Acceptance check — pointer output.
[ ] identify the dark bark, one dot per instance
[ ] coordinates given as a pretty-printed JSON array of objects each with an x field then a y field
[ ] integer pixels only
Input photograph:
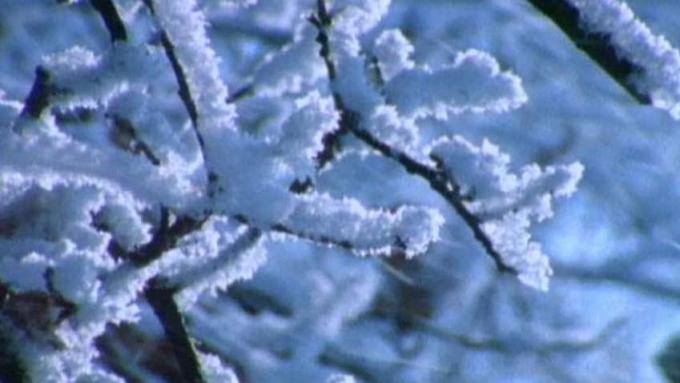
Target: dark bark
[
  {"x": 38, "y": 98},
  {"x": 165, "y": 238},
  {"x": 109, "y": 14},
  {"x": 162, "y": 300}
]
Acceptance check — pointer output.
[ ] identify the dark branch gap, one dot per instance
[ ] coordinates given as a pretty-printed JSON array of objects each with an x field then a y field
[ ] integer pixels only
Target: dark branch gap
[
  {"x": 11, "y": 366},
  {"x": 38, "y": 98},
  {"x": 165, "y": 238}
]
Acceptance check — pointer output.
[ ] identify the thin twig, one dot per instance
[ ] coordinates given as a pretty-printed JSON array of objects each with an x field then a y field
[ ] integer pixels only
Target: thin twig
[
  {"x": 124, "y": 134},
  {"x": 181, "y": 77},
  {"x": 191, "y": 275},
  {"x": 311, "y": 237},
  {"x": 12, "y": 368}
]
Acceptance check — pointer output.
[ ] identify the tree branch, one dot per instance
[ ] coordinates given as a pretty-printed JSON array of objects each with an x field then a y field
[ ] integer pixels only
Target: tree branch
[
  {"x": 165, "y": 238},
  {"x": 317, "y": 239},
  {"x": 162, "y": 300},
  {"x": 38, "y": 98},
  {"x": 438, "y": 180},
  {"x": 440, "y": 183},
  {"x": 182, "y": 82},
  {"x": 109, "y": 14},
  {"x": 190, "y": 276},
  {"x": 331, "y": 141},
  {"x": 124, "y": 135},
  {"x": 597, "y": 46}
]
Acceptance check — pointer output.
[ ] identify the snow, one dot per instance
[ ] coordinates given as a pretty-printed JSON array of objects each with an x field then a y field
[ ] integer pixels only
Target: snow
[
  {"x": 474, "y": 82},
  {"x": 393, "y": 52}
]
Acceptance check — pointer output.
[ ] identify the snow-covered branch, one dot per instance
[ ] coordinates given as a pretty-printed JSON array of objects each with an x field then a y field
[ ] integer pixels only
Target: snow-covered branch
[
  {"x": 643, "y": 63},
  {"x": 473, "y": 83},
  {"x": 184, "y": 185}
]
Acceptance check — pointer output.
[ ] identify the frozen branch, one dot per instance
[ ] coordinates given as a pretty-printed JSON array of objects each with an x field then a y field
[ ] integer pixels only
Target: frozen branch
[
  {"x": 598, "y": 46},
  {"x": 331, "y": 141},
  {"x": 583, "y": 343},
  {"x": 609, "y": 32},
  {"x": 191, "y": 276},
  {"x": 181, "y": 77},
  {"x": 439, "y": 181}
]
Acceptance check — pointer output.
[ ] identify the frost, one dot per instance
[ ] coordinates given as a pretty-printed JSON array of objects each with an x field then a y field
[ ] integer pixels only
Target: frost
[
  {"x": 485, "y": 172},
  {"x": 474, "y": 82},
  {"x": 303, "y": 132},
  {"x": 72, "y": 59},
  {"x": 186, "y": 27},
  {"x": 365, "y": 231},
  {"x": 507, "y": 202},
  {"x": 354, "y": 86},
  {"x": 355, "y": 17},
  {"x": 292, "y": 68},
  {"x": 633, "y": 40},
  {"x": 237, "y": 3},
  {"x": 393, "y": 52},
  {"x": 509, "y": 235},
  {"x": 127, "y": 227},
  {"x": 396, "y": 130},
  {"x": 208, "y": 261},
  {"x": 85, "y": 79},
  {"x": 215, "y": 371}
]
